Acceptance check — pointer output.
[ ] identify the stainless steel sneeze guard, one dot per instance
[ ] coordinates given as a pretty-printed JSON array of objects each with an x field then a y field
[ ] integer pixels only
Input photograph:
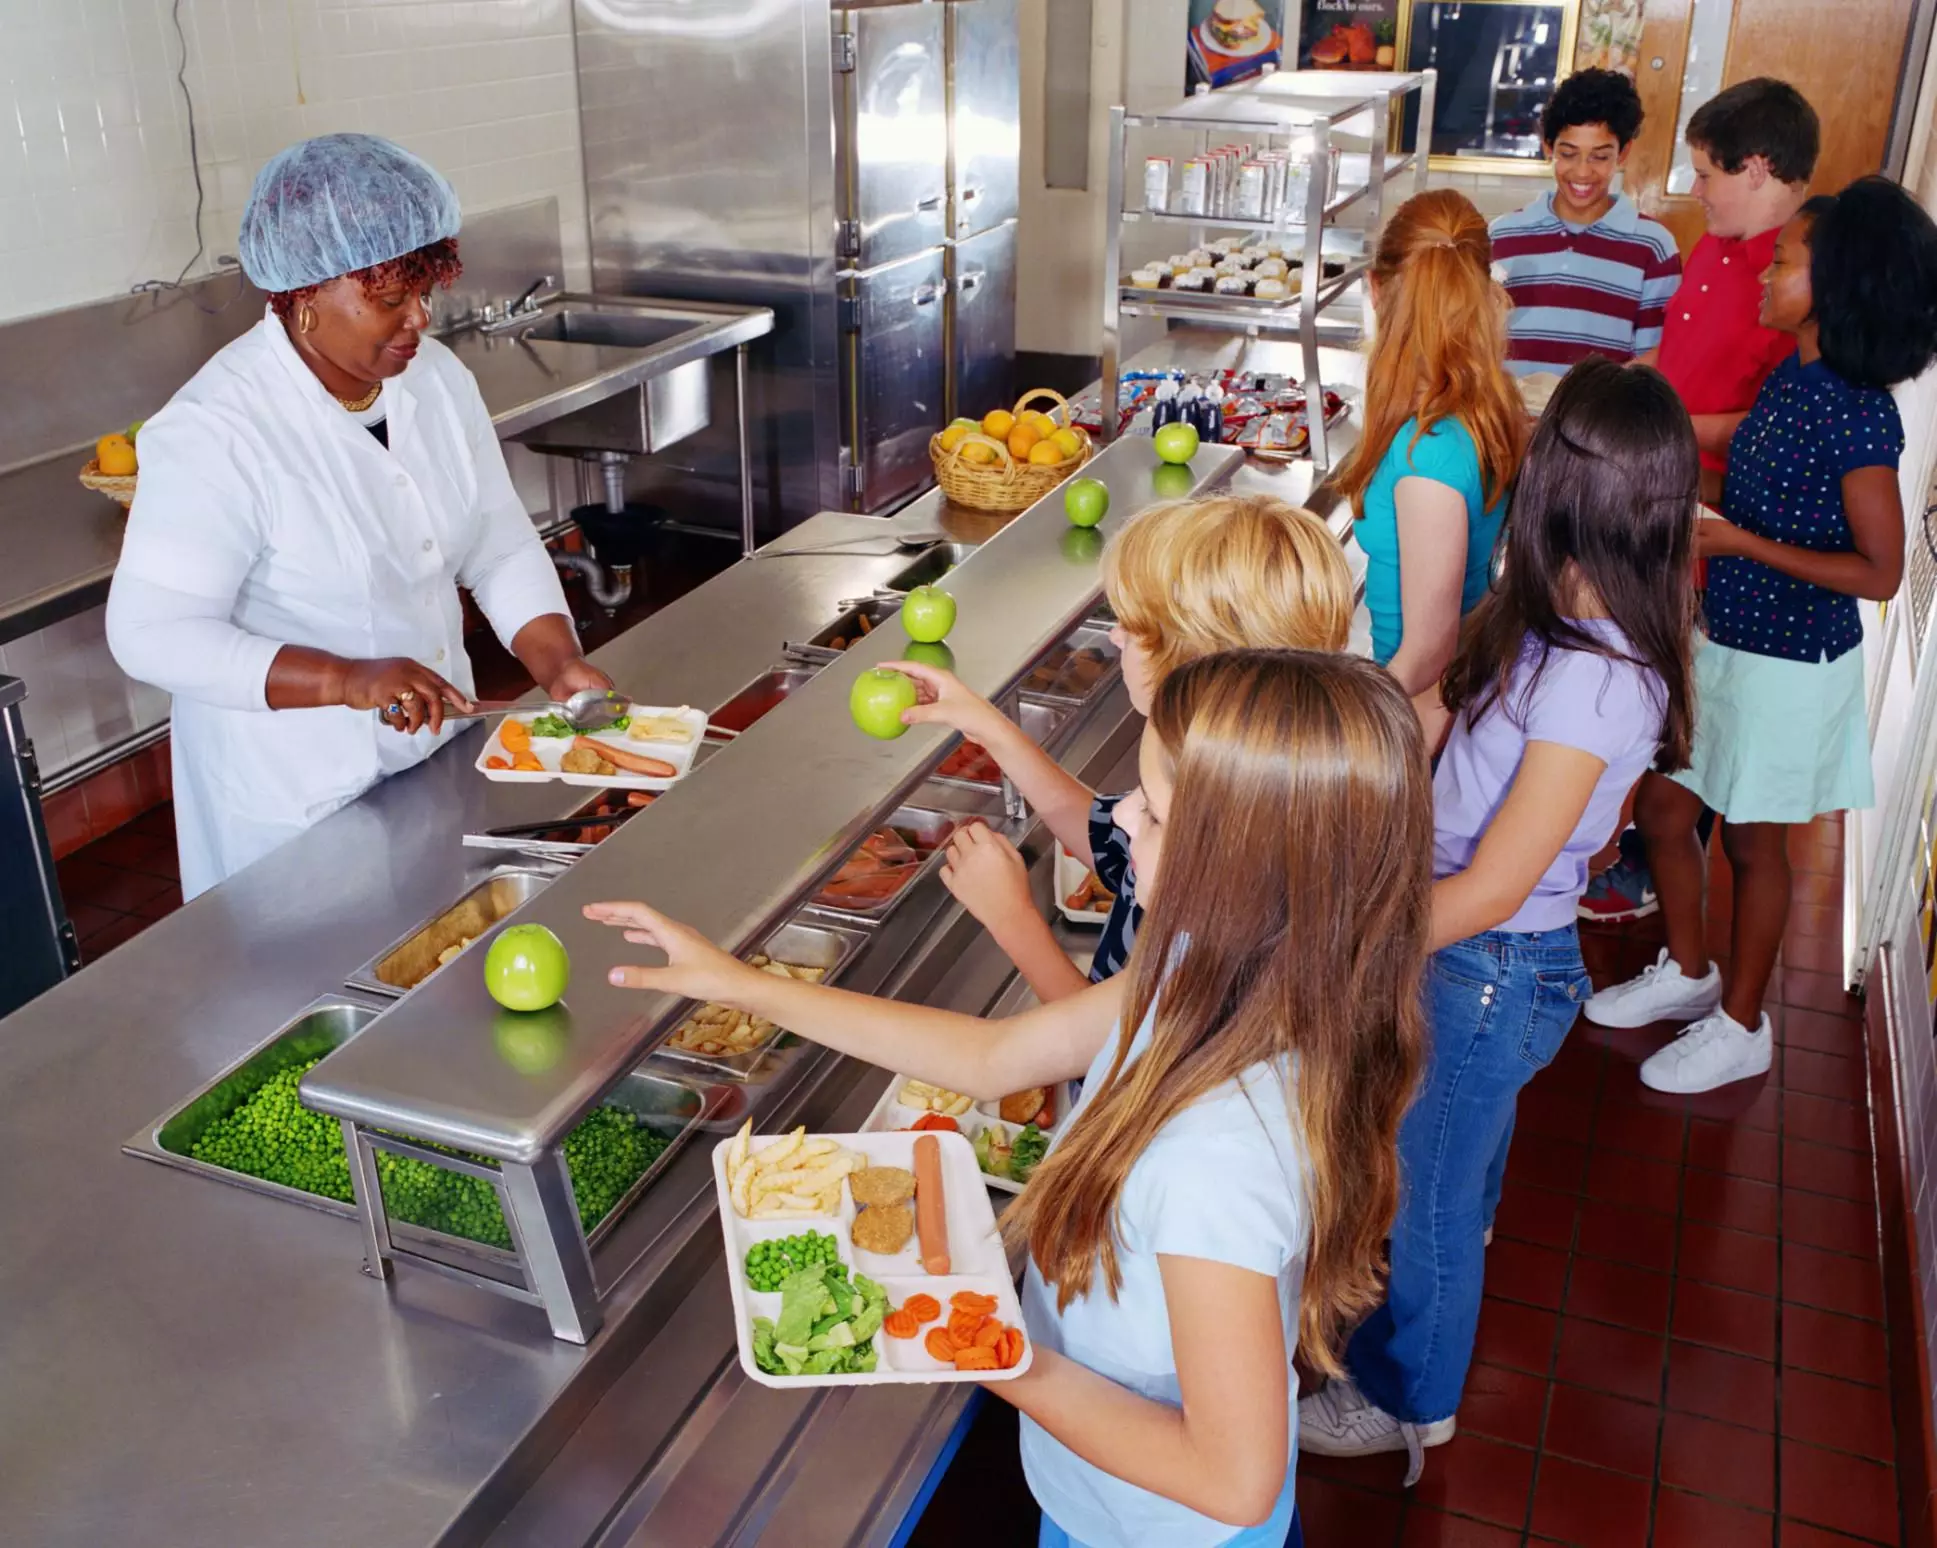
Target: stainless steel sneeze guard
[{"x": 734, "y": 855}]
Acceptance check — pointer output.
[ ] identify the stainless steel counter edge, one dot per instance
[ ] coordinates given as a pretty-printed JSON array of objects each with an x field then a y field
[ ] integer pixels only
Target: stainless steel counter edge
[{"x": 428, "y": 1067}]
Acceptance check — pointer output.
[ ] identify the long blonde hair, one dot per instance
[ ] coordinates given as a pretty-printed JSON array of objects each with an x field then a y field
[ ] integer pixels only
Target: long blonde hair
[
  {"x": 1440, "y": 348},
  {"x": 1233, "y": 572},
  {"x": 1292, "y": 909}
]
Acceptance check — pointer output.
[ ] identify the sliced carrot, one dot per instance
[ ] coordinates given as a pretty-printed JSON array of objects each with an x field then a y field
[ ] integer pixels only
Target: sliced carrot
[
  {"x": 971, "y": 1301},
  {"x": 963, "y": 1326},
  {"x": 900, "y": 1324},
  {"x": 1008, "y": 1353},
  {"x": 989, "y": 1335},
  {"x": 923, "y": 1308},
  {"x": 497, "y": 763},
  {"x": 939, "y": 1344},
  {"x": 515, "y": 735},
  {"x": 975, "y": 1360}
]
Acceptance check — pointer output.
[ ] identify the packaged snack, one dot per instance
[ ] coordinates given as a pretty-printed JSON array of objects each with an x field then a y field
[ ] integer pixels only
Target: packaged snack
[{"x": 1156, "y": 183}]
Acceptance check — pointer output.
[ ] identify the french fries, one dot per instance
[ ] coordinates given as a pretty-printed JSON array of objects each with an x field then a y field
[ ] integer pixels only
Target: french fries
[
  {"x": 923, "y": 1097},
  {"x": 661, "y": 728},
  {"x": 791, "y": 1178},
  {"x": 719, "y": 1032}
]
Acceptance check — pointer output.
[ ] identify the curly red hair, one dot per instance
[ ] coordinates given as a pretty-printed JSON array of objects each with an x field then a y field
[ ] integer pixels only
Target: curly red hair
[{"x": 434, "y": 266}]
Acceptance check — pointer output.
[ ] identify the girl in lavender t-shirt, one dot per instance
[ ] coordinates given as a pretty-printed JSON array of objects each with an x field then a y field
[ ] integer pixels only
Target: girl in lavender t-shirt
[{"x": 1573, "y": 679}]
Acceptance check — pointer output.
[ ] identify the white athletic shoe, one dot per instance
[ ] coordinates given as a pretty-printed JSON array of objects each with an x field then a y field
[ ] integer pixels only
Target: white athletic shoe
[
  {"x": 1662, "y": 993},
  {"x": 1339, "y": 1422},
  {"x": 1486, "y": 1237},
  {"x": 1715, "y": 1051}
]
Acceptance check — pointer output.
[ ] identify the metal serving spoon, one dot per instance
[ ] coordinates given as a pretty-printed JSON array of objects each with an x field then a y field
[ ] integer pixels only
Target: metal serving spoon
[{"x": 590, "y": 709}]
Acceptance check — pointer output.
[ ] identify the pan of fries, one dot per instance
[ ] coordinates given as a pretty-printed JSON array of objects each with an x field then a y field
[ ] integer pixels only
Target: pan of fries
[{"x": 731, "y": 1043}]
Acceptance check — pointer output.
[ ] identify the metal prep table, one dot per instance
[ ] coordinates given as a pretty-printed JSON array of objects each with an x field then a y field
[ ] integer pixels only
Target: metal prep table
[{"x": 186, "y": 1363}]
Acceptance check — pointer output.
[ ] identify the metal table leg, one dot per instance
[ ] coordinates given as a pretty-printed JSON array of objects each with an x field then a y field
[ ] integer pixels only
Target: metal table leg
[
  {"x": 369, "y": 1201},
  {"x": 747, "y": 542},
  {"x": 544, "y": 1222}
]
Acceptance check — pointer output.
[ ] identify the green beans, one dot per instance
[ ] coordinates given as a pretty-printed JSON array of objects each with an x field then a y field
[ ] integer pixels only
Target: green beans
[
  {"x": 274, "y": 1137},
  {"x": 768, "y": 1263}
]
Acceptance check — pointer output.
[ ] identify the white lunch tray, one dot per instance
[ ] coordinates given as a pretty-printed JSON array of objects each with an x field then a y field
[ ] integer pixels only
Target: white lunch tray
[
  {"x": 1069, "y": 876},
  {"x": 551, "y": 750},
  {"x": 977, "y": 1262},
  {"x": 890, "y": 1115}
]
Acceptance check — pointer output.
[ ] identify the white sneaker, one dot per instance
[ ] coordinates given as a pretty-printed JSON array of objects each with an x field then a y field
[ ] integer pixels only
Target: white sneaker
[
  {"x": 1716, "y": 1051},
  {"x": 1339, "y": 1422},
  {"x": 1486, "y": 1237},
  {"x": 1662, "y": 993}
]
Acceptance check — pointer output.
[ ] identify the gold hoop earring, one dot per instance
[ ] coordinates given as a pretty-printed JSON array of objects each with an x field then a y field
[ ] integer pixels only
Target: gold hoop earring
[{"x": 305, "y": 318}]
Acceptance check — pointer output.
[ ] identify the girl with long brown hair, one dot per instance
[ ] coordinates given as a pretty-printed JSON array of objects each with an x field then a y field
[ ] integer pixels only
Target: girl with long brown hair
[
  {"x": 1220, "y": 1195},
  {"x": 1444, "y": 427},
  {"x": 1573, "y": 679}
]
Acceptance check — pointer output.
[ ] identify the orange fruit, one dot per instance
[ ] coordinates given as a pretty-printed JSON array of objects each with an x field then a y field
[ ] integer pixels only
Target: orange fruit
[
  {"x": 980, "y": 453},
  {"x": 1041, "y": 423},
  {"x": 1046, "y": 454},
  {"x": 1068, "y": 442},
  {"x": 1022, "y": 441},
  {"x": 116, "y": 455},
  {"x": 998, "y": 423},
  {"x": 954, "y": 435}
]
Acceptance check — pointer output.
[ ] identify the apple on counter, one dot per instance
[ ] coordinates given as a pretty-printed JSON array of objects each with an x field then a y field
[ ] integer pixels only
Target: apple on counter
[
  {"x": 1086, "y": 501},
  {"x": 527, "y": 968},
  {"x": 1176, "y": 443},
  {"x": 928, "y": 614}
]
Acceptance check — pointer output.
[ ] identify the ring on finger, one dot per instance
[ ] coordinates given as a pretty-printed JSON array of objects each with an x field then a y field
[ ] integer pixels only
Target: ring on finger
[
  {"x": 406, "y": 695},
  {"x": 393, "y": 710}
]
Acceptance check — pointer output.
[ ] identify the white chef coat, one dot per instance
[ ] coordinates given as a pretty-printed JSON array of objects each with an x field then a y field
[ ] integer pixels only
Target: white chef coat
[{"x": 267, "y": 516}]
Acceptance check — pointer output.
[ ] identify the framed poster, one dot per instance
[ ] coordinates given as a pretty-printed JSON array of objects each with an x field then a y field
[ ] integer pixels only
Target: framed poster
[
  {"x": 1349, "y": 34},
  {"x": 1498, "y": 62},
  {"x": 1230, "y": 40}
]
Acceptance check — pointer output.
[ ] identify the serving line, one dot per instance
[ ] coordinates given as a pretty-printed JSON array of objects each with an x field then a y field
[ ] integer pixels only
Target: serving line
[{"x": 217, "y": 1348}]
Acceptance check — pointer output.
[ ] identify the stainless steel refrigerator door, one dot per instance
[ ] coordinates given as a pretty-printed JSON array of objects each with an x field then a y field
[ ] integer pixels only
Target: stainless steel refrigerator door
[
  {"x": 985, "y": 114},
  {"x": 897, "y": 375},
  {"x": 894, "y": 129},
  {"x": 982, "y": 333}
]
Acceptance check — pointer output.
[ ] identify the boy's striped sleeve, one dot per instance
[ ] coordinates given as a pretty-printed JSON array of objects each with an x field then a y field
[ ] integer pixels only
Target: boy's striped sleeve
[{"x": 1658, "y": 286}]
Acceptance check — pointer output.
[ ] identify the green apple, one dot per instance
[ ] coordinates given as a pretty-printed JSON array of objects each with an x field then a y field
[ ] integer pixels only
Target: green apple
[
  {"x": 531, "y": 1042},
  {"x": 526, "y": 968},
  {"x": 931, "y": 653},
  {"x": 928, "y": 614},
  {"x": 1082, "y": 545},
  {"x": 1170, "y": 482},
  {"x": 1086, "y": 501},
  {"x": 877, "y": 700},
  {"x": 1176, "y": 442}
]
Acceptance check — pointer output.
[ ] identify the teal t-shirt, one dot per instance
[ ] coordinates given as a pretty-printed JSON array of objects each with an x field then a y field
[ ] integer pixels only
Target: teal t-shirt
[{"x": 1445, "y": 454}]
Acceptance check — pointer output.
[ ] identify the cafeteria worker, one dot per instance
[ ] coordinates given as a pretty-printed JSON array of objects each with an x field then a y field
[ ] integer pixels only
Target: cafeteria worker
[{"x": 309, "y": 503}]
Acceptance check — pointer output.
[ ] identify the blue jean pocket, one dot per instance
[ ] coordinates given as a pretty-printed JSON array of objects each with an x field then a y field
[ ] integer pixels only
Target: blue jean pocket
[{"x": 1556, "y": 1000}]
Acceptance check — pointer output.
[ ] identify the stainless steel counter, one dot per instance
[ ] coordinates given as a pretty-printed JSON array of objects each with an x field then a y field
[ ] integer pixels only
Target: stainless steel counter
[
  {"x": 187, "y": 1363},
  {"x": 59, "y": 544}
]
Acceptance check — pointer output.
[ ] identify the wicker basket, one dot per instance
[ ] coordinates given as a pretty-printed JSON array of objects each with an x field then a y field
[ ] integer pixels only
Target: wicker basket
[
  {"x": 119, "y": 487},
  {"x": 1006, "y": 484}
]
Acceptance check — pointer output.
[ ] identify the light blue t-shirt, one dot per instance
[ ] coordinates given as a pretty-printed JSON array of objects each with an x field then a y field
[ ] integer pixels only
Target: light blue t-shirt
[
  {"x": 1445, "y": 454},
  {"x": 1223, "y": 1180}
]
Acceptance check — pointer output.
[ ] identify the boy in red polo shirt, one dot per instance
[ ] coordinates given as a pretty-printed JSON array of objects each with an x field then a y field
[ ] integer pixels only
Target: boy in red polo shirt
[{"x": 1754, "y": 148}]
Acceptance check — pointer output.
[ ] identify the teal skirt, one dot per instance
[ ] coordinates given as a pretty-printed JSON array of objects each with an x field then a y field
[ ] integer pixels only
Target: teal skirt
[{"x": 1778, "y": 740}]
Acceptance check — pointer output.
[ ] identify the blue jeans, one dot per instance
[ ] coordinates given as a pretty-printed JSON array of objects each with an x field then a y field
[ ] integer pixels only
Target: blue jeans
[{"x": 1498, "y": 1006}]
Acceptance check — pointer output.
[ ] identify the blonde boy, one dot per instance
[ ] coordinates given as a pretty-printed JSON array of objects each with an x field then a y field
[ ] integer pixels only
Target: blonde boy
[{"x": 1185, "y": 580}]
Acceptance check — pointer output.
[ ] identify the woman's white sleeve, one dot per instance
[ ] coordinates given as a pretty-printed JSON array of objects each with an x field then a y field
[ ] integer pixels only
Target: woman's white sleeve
[
  {"x": 507, "y": 569},
  {"x": 192, "y": 538}
]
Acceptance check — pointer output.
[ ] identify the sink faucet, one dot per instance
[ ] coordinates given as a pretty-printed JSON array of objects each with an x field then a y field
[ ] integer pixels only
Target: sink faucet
[{"x": 524, "y": 302}]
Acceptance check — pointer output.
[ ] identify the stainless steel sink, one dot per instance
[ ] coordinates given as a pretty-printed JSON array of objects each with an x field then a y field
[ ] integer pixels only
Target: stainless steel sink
[{"x": 620, "y": 330}]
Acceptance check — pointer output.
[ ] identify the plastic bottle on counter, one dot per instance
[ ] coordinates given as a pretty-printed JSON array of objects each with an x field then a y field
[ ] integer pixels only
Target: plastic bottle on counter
[
  {"x": 1206, "y": 414},
  {"x": 1165, "y": 410}
]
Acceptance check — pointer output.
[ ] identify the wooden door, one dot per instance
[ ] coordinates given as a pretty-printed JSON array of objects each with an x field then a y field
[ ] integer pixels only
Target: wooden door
[{"x": 1846, "y": 57}]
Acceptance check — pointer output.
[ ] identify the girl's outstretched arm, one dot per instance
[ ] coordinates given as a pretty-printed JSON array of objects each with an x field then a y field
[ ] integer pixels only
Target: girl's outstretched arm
[{"x": 981, "y": 1059}]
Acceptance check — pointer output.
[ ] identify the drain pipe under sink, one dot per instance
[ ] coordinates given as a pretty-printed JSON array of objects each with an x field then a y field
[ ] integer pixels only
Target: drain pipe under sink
[{"x": 610, "y": 592}]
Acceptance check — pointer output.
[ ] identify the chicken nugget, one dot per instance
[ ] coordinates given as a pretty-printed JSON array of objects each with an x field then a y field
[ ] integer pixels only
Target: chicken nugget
[
  {"x": 881, "y": 1185},
  {"x": 884, "y": 1229}
]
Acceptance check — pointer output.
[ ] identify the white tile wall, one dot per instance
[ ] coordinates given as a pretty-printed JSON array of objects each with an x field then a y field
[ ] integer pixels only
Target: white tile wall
[{"x": 96, "y": 191}]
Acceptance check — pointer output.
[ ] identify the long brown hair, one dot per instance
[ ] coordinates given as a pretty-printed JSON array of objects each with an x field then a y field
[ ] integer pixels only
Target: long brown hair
[
  {"x": 1231, "y": 572},
  {"x": 1291, "y": 910},
  {"x": 1606, "y": 500},
  {"x": 1440, "y": 345}
]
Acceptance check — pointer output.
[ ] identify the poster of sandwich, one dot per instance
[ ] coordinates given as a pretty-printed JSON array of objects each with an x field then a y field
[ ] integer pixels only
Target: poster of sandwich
[
  {"x": 1349, "y": 34},
  {"x": 1232, "y": 39}
]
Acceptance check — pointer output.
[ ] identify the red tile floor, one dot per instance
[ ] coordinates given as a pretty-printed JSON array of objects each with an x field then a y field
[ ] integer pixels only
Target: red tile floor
[{"x": 1683, "y": 1341}]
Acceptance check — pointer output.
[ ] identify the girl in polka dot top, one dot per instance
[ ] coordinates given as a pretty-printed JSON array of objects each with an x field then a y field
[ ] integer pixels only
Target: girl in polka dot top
[{"x": 1812, "y": 519}]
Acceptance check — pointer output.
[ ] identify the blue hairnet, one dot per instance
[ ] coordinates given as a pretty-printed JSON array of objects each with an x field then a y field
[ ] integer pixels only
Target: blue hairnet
[{"x": 339, "y": 203}]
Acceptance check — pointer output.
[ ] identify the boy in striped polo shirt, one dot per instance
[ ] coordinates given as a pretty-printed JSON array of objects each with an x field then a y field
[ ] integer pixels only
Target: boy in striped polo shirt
[{"x": 1589, "y": 274}]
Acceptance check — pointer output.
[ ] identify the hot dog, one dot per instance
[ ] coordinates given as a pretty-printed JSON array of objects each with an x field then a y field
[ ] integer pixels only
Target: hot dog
[
  {"x": 931, "y": 1205},
  {"x": 631, "y": 762}
]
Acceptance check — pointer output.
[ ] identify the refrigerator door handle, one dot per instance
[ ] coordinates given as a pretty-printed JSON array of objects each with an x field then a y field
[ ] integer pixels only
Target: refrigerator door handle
[
  {"x": 926, "y": 295},
  {"x": 971, "y": 282},
  {"x": 932, "y": 202},
  {"x": 971, "y": 193}
]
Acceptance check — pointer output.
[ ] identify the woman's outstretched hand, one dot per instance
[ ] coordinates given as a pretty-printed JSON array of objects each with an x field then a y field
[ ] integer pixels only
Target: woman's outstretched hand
[{"x": 695, "y": 968}]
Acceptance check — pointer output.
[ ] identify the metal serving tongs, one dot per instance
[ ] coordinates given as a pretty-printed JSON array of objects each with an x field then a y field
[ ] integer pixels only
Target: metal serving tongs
[
  {"x": 590, "y": 709},
  {"x": 529, "y": 836}
]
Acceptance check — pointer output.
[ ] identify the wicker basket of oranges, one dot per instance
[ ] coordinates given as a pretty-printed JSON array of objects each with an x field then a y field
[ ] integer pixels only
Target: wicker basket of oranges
[
  {"x": 111, "y": 470},
  {"x": 1012, "y": 457}
]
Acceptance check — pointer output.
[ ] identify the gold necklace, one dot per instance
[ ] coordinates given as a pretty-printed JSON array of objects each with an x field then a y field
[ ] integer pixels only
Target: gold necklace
[{"x": 358, "y": 405}]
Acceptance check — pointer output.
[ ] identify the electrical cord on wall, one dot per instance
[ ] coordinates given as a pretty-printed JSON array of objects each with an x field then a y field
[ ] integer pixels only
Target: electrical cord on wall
[{"x": 157, "y": 286}]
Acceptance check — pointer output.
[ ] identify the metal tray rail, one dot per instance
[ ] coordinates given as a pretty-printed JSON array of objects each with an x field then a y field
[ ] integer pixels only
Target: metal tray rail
[
  {"x": 410, "y": 959},
  {"x": 799, "y": 943}
]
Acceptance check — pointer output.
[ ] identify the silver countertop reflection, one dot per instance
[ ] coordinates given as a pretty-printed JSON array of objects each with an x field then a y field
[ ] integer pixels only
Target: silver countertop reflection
[{"x": 59, "y": 544}]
